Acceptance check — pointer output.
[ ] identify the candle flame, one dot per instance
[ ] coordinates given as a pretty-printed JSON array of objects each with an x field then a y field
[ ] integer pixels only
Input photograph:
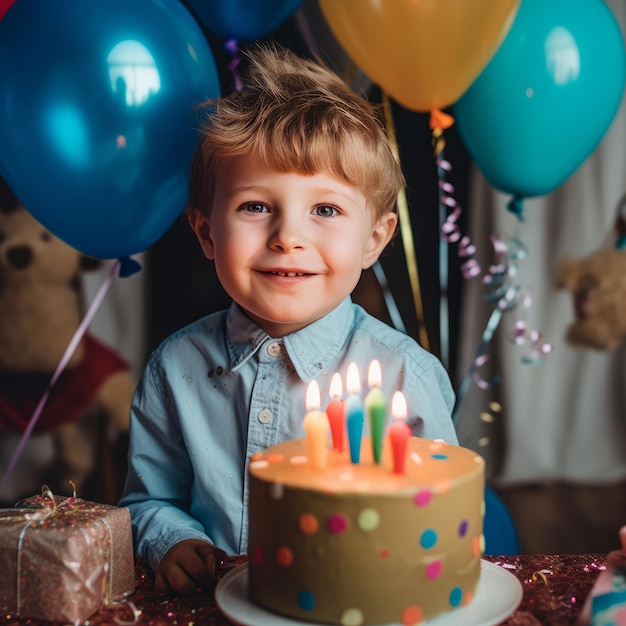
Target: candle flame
[
  {"x": 353, "y": 383},
  {"x": 374, "y": 375},
  {"x": 313, "y": 400},
  {"x": 336, "y": 387},
  {"x": 398, "y": 406}
]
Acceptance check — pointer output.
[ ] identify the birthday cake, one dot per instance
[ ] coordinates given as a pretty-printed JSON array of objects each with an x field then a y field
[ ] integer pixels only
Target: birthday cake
[{"x": 362, "y": 543}]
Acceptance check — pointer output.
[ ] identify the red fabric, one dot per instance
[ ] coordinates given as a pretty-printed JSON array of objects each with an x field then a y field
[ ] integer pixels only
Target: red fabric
[
  {"x": 70, "y": 397},
  {"x": 5, "y": 5}
]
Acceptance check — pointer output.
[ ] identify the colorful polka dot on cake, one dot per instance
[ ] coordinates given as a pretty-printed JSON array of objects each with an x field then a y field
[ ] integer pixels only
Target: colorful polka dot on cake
[
  {"x": 411, "y": 616},
  {"x": 351, "y": 617},
  {"x": 433, "y": 570},
  {"x": 306, "y": 600},
  {"x": 308, "y": 523},
  {"x": 337, "y": 523},
  {"x": 428, "y": 539},
  {"x": 368, "y": 519},
  {"x": 456, "y": 595},
  {"x": 463, "y": 528},
  {"x": 423, "y": 497},
  {"x": 284, "y": 556}
]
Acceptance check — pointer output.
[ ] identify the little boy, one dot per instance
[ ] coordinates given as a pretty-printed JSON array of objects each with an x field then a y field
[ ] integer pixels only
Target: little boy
[{"x": 292, "y": 193}]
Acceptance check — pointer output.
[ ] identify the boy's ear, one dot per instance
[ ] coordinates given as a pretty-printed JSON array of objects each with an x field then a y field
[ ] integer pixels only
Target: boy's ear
[
  {"x": 200, "y": 224},
  {"x": 381, "y": 235}
]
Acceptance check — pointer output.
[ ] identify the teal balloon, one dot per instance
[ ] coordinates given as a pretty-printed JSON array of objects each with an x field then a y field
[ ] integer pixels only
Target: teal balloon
[
  {"x": 242, "y": 20},
  {"x": 547, "y": 97},
  {"x": 97, "y": 122}
]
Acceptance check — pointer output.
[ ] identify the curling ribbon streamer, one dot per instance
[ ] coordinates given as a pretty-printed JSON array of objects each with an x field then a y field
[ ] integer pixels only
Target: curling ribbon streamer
[
  {"x": 232, "y": 48},
  {"x": 522, "y": 334},
  {"x": 450, "y": 233},
  {"x": 504, "y": 293},
  {"x": 509, "y": 293},
  {"x": 480, "y": 358},
  {"x": 406, "y": 232},
  {"x": 65, "y": 359},
  {"x": 439, "y": 121},
  {"x": 505, "y": 290}
]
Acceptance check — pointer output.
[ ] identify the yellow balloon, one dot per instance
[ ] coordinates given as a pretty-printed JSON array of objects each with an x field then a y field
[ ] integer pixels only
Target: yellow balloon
[{"x": 424, "y": 53}]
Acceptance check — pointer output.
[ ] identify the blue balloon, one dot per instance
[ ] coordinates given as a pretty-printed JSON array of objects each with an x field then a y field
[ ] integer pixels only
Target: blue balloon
[
  {"x": 242, "y": 20},
  {"x": 548, "y": 96},
  {"x": 97, "y": 122}
]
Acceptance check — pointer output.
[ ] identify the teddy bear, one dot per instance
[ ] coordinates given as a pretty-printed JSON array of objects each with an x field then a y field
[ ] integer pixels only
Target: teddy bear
[
  {"x": 598, "y": 286},
  {"x": 41, "y": 308}
]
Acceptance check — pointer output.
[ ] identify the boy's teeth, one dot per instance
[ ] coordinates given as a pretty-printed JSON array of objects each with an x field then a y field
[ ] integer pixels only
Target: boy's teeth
[{"x": 289, "y": 273}]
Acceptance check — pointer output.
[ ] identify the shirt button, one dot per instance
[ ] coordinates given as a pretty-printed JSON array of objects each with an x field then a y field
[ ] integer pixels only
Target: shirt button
[
  {"x": 265, "y": 417},
  {"x": 274, "y": 349}
]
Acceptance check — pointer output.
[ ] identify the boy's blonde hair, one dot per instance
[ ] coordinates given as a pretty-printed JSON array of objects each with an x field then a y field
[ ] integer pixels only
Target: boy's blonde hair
[{"x": 295, "y": 115}]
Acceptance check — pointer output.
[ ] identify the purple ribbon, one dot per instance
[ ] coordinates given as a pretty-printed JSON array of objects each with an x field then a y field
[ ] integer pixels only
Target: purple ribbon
[{"x": 65, "y": 359}]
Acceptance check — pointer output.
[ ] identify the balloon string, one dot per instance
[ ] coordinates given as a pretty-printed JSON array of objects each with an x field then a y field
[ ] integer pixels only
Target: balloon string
[
  {"x": 67, "y": 355},
  {"x": 303, "y": 26},
  {"x": 349, "y": 73},
  {"x": 406, "y": 231},
  {"x": 439, "y": 145},
  {"x": 620, "y": 224},
  {"x": 392, "y": 307},
  {"x": 444, "y": 314}
]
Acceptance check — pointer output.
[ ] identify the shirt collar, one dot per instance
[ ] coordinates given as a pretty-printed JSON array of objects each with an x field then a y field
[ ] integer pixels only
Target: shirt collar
[
  {"x": 243, "y": 336},
  {"x": 310, "y": 349}
]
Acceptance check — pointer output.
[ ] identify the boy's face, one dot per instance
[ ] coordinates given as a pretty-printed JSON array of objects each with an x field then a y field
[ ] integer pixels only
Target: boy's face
[{"x": 288, "y": 248}]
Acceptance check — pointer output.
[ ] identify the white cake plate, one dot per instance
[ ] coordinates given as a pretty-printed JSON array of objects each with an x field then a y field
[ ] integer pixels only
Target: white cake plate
[{"x": 499, "y": 594}]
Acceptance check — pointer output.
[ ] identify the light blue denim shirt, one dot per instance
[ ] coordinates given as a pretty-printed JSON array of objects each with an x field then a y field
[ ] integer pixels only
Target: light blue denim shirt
[{"x": 221, "y": 389}]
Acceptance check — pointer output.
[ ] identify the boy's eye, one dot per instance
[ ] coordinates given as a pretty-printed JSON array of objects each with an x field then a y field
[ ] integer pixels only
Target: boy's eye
[
  {"x": 325, "y": 210},
  {"x": 254, "y": 207}
]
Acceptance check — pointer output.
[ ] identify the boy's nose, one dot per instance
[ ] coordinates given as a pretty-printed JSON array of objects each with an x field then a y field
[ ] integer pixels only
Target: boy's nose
[{"x": 287, "y": 236}]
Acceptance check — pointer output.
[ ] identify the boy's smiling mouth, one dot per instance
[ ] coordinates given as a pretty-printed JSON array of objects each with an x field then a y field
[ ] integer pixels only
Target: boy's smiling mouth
[
  {"x": 286, "y": 276},
  {"x": 288, "y": 273}
]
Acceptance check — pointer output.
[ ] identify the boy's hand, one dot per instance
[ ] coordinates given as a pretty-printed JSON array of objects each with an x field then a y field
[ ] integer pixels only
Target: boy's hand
[{"x": 187, "y": 566}]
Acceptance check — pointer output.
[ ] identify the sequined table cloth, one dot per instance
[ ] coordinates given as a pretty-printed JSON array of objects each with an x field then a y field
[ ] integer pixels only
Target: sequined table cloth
[{"x": 555, "y": 589}]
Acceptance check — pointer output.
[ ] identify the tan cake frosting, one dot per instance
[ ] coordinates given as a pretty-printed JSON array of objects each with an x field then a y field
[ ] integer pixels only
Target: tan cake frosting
[{"x": 358, "y": 544}]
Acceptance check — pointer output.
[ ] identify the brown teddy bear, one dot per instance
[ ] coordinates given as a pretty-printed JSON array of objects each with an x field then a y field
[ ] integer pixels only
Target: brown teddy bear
[
  {"x": 598, "y": 286},
  {"x": 41, "y": 307}
]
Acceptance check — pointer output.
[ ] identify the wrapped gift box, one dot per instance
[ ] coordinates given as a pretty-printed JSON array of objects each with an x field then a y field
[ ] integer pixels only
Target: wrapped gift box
[{"x": 63, "y": 559}]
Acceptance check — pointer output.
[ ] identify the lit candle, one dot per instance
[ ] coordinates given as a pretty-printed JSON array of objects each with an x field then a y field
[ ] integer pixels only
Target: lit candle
[
  {"x": 399, "y": 432},
  {"x": 335, "y": 411},
  {"x": 376, "y": 408},
  {"x": 315, "y": 424},
  {"x": 354, "y": 412}
]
